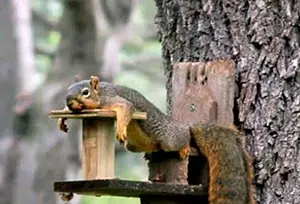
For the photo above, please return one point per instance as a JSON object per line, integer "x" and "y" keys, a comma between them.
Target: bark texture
{"x": 263, "y": 38}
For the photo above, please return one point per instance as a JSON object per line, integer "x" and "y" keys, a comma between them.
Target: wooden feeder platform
{"x": 201, "y": 92}
{"x": 98, "y": 140}
{"x": 98, "y": 164}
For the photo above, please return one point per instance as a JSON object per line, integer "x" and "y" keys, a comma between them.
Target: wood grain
{"x": 128, "y": 188}
{"x": 202, "y": 92}
{"x": 98, "y": 148}
{"x": 91, "y": 113}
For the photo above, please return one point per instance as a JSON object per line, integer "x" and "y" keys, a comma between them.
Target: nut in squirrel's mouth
{"x": 75, "y": 105}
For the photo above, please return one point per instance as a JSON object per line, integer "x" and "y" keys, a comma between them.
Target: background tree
{"x": 8, "y": 67}
{"x": 262, "y": 37}
{"x": 17, "y": 85}
{"x": 84, "y": 34}
{"x": 115, "y": 39}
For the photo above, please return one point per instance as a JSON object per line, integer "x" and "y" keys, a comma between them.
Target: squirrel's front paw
{"x": 184, "y": 152}
{"x": 122, "y": 135}
{"x": 61, "y": 124}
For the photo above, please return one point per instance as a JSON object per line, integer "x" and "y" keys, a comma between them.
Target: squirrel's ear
{"x": 95, "y": 82}
{"x": 77, "y": 78}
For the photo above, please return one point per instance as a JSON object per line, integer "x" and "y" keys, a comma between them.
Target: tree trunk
{"x": 23, "y": 151}
{"x": 262, "y": 37}
{"x": 112, "y": 31}
{"x": 12, "y": 21}
{"x": 8, "y": 66}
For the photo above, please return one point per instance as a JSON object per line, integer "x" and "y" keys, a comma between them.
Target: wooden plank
{"x": 221, "y": 81}
{"x": 98, "y": 148}
{"x": 181, "y": 199}
{"x": 127, "y": 188}
{"x": 203, "y": 92}
{"x": 192, "y": 100}
{"x": 91, "y": 113}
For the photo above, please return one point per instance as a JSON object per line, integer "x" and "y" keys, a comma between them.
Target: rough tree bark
{"x": 262, "y": 37}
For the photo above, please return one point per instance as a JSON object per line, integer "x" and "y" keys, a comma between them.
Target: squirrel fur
{"x": 157, "y": 132}
{"x": 230, "y": 168}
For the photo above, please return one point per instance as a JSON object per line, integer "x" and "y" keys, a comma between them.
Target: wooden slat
{"x": 117, "y": 187}
{"x": 98, "y": 148}
{"x": 91, "y": 113}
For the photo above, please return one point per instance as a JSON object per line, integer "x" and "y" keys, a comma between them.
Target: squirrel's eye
{"x": 85, "y": 92}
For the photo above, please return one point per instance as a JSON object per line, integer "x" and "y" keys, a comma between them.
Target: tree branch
{"x": 139, "y": 63}
{"x": 44, "y": 51}
{"x": 101, "y": 22}
{"x": 43, "y": 20}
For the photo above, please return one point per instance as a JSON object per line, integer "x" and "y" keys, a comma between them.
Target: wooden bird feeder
{"x": 97, "y": 140}
{"x": 201, "y": 92}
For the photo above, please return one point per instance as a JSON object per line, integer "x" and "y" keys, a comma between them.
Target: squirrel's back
{"x": 171, "y": 135}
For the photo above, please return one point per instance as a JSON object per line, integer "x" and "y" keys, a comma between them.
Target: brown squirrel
{"x": 137, "y": 136}
{"x": 231, "y": 173}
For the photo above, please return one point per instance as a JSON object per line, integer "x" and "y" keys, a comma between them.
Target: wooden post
{"x": 98, "y": 148}
{"x": 98, "y": 136}
{"x": 98, "y": 161}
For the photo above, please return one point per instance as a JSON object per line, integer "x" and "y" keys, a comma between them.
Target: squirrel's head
{"x": 84, "y": 94}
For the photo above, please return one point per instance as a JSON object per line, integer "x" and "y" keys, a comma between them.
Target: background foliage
{"x": 143, "y": 50}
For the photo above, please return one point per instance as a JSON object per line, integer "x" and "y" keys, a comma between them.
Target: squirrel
{"x": 230, "y": 169}
{"x": 157, "y": 132}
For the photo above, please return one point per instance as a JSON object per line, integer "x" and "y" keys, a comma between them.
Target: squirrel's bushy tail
{"x": 227, "y": 191}
{"x": 230, "y": 170}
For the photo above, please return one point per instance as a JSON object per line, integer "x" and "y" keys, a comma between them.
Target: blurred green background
{"x": 142, "y": 52}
